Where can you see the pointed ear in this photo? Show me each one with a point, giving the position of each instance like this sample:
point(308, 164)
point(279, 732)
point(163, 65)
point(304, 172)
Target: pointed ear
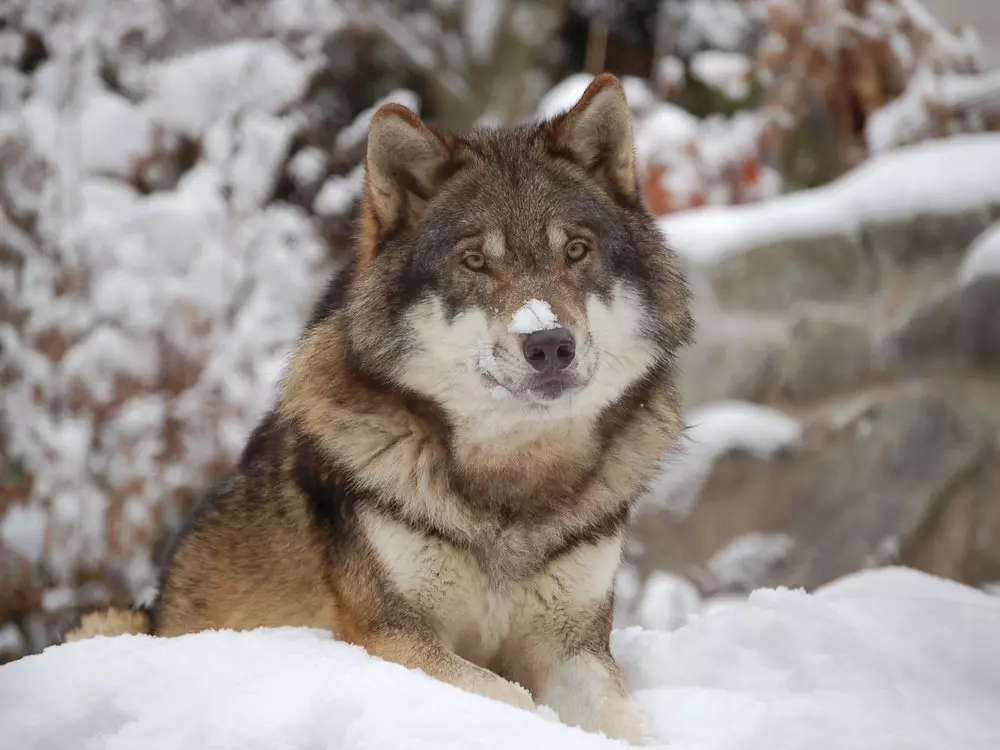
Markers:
point(597, 134)
point(406, 162)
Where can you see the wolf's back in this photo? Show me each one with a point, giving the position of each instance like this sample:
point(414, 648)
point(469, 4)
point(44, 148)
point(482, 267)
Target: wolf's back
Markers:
point(109, 622)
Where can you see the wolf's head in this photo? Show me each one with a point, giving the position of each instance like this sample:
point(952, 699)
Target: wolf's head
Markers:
point(512, 274)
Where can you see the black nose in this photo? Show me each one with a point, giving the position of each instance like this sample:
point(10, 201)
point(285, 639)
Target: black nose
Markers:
point(550, 350)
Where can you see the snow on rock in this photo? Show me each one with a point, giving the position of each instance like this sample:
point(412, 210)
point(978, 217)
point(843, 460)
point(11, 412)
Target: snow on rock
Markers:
point(714, 430)
point(535, 315)
point(934, 177)
point(666, 602)
point(746, 559)
point(727, 72)
point(983, 256)
point(870, 662)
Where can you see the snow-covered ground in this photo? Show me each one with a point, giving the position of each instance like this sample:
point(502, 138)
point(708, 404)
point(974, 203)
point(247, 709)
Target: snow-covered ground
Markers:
point(881, 660)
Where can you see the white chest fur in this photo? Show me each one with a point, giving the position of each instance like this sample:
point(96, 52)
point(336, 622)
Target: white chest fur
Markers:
point(473, 614)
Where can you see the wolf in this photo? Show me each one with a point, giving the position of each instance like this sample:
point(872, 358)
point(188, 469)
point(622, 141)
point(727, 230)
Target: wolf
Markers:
point(446, 475)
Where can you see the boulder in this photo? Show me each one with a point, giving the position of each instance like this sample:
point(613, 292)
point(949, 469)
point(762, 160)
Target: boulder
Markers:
point(771, 277)
point(868, 480)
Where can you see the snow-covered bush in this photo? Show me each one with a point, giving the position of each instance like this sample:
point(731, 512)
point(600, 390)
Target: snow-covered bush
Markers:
point(794, 93)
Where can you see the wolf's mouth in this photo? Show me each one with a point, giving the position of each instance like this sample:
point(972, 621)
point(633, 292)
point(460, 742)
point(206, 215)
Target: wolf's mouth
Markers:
point(551, 387)
point(539, 388)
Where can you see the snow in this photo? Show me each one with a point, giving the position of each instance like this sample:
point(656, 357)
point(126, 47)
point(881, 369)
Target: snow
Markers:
point(718, 24)
point(666, 602)
point(150, 328)
point(910, 116)
point(933, 177)
point(339, 192)
point(307, 166)
point(481, 22)
point(670, 72)
point(726, 72)
point(22, 530)
point(193, 91)
point(714, 430)
point(746, 559)
point(356, 133)
point(535, 315)
point(666, 127)
point(870, 662)
point(250, 155)
point(114, 135)
point(982, 257)
point(564, 95)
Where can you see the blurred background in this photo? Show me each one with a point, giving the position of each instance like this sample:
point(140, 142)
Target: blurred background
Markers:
point(177, 177)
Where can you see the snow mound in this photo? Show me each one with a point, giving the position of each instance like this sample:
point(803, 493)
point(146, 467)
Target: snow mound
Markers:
point(882, 659)
point(934, 177)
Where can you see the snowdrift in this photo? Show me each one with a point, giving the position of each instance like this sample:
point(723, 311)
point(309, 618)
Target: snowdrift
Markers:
point(881, 659)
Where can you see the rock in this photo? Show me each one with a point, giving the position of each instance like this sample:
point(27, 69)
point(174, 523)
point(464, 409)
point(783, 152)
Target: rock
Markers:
point(827, 355)
point(959, 330)
point(912, 241)
point(730, 361)
point(959, 540)
point(860, 488)
point(771, 277)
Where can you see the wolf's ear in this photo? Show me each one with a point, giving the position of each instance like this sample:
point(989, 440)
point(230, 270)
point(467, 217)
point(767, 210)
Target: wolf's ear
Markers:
point(406, 162)
point(597, 134)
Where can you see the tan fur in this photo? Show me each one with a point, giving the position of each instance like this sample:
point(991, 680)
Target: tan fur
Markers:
point(472, 536)
point(110, 622)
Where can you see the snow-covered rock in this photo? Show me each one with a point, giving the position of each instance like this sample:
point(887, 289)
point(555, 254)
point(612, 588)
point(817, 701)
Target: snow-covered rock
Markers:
point(933, 177)
point(983, 257)
point(714, 430)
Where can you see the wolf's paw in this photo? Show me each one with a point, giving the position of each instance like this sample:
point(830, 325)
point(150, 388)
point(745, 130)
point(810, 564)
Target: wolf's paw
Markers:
point(621, 721)
point(503, 690)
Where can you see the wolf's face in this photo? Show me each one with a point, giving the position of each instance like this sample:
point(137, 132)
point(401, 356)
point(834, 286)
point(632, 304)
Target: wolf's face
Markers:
point(513, 273)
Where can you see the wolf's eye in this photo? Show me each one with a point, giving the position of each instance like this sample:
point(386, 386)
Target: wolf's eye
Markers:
point(474, 261)
point(576, 250)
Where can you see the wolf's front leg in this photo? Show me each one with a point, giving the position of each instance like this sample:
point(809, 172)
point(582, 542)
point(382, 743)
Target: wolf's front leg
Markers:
point(424, 652)
point(586, 689)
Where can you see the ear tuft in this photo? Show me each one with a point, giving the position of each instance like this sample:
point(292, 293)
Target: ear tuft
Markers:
point(406, 162)
point(597, 134)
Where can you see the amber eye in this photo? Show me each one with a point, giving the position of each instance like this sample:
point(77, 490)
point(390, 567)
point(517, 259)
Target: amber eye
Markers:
point(576, 250)
point(474, 261)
